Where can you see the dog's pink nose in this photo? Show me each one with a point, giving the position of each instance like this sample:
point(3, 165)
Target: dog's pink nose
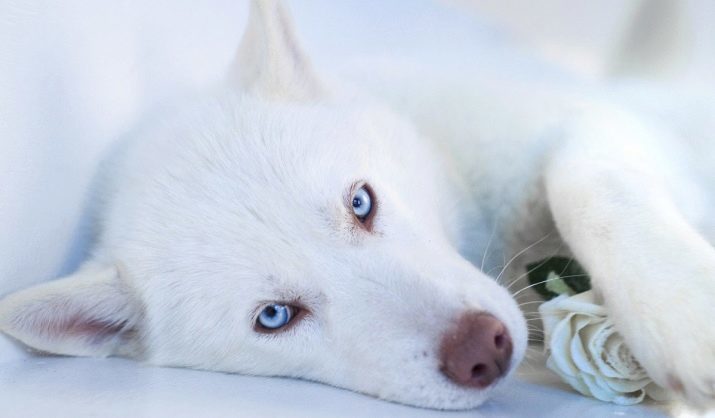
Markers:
point(477, 351)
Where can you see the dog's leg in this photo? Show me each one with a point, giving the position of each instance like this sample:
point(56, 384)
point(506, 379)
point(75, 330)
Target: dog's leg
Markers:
point(614, 206)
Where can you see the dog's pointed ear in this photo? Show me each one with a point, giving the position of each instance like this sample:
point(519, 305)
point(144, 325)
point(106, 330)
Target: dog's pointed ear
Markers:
point(90, 313)
point(270, 62)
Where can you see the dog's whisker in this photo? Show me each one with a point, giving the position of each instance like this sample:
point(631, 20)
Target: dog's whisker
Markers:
point(489, 273)
point(535, 284)
point(532, 349)
point(547, 280)
point(565, 267)
point(517, 255)
point(489, 243)
point(529, 365)
point(535, 268)
point(529, 303)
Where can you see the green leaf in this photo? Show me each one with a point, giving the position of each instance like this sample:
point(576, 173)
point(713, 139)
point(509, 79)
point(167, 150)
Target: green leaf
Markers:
point(556, 285)
point(554, 276)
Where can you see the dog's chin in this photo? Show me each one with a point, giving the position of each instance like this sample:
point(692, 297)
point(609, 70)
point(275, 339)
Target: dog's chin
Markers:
point(445, 396)
point(436, 393)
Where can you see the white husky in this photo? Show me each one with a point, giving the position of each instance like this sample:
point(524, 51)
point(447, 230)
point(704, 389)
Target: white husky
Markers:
point(286, 226)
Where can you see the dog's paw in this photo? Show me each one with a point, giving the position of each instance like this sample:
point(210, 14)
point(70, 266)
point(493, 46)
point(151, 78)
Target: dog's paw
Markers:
point(672, 335)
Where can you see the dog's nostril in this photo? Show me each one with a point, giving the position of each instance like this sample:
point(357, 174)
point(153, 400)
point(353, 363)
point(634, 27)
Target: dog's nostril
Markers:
point(479, 371)
point(477, 351)
point(499, 340)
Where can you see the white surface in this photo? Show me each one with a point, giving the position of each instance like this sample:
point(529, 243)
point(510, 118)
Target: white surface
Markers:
point(74, 387)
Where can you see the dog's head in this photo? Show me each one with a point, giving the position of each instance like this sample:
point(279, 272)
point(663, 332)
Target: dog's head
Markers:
point(278, 229)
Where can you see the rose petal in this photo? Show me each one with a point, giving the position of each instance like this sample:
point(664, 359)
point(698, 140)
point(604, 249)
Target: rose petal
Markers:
point(573, 381)
point(597, 335)
point(582, 303)
point(597, 391)
point(626, 385)
point(587, 352)
point(619, 357)
point(578, 353)
point(629, 398)
point(602, 390)
point(551, 315)
point(559, 347)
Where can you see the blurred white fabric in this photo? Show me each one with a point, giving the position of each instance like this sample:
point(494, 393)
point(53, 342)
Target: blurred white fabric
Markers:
point(590, 37)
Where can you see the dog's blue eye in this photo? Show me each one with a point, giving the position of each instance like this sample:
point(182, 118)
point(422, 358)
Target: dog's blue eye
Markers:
point(362, 203)
point(275, 316)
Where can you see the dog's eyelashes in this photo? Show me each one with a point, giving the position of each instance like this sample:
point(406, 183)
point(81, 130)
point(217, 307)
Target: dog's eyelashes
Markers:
point(275, 317)
point(363, 205)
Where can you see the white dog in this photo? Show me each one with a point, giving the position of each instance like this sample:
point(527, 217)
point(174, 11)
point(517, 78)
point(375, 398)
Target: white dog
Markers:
point(288, 226)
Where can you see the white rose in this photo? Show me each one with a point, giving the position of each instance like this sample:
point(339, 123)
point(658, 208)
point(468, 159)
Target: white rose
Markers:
point(585, 350)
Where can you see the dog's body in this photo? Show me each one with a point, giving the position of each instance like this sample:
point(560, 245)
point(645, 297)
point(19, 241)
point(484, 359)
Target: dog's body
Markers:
point(533, 161)
point(237, 200)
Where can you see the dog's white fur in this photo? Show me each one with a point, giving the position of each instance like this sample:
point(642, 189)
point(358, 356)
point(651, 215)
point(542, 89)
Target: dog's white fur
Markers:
point(237, 199)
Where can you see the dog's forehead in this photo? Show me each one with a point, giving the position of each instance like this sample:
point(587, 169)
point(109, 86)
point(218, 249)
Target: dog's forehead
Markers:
point(286, 141)
point(302, 153)
point(286, 158)
point(242, 180)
